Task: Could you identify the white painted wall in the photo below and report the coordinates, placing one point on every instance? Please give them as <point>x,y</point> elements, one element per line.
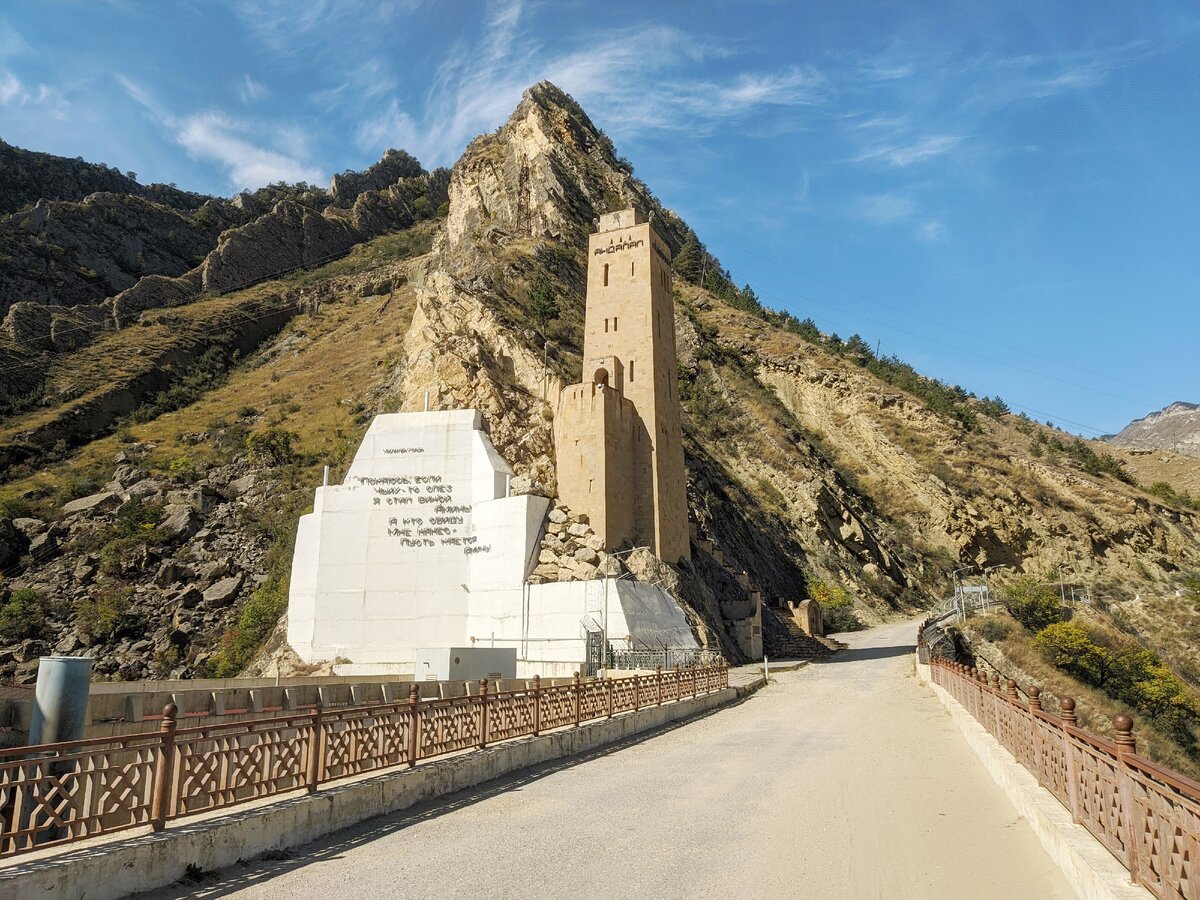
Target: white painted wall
<point>418,550</point>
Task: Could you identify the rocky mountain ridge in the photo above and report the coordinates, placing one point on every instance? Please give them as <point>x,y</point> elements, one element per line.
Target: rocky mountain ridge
<point>1175,428</point>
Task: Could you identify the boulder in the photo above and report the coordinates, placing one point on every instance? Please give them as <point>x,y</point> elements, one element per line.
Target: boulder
<point>179,523</point>
<point>29,527</point>
<point>44,546</point>
<point>557,516</point>
<point>239,486</point>
<point>586,555</point>
<point>93,503</point>
<point>579,530</point>
<point>223,592</point>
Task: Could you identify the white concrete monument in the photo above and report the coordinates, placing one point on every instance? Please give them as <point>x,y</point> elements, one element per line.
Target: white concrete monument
<point>419,560</point>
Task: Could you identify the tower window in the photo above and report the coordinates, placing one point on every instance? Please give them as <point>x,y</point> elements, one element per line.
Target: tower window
<point>606,326</point>
<point>631,269</point>
<point>614,323</point>
<point>631,370</point>
<point>606,274</point>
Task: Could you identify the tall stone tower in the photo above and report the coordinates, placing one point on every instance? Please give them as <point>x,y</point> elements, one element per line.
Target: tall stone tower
<point>617,434</point>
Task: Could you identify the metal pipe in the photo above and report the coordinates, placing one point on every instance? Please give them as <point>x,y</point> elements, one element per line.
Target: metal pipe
<point>60,699</point>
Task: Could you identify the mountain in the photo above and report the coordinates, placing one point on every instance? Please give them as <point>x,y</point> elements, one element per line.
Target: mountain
<point>1175,428</point>
<point>152,477</point>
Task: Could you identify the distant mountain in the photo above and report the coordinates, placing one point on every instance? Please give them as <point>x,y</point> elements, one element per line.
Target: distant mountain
<point>1175,428</point>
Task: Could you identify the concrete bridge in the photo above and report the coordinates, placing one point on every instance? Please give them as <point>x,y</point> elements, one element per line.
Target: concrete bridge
<point>842,779</point>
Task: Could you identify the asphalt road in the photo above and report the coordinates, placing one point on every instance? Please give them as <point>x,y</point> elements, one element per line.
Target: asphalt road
<point>845,779</point>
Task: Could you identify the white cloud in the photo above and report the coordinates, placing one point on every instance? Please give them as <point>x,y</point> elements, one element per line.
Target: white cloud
<point>216,137</point>
<point>931,232</point>
<point>907,153</point>
<point>250,90</point>
<point>630,80</point>
<point>885,208</point>
<point>14,92</point>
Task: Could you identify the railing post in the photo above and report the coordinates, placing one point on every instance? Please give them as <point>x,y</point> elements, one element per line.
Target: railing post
<point>414,702</point>
<point>658,685</point>
<point>164,764</point>
<point>1126,747</point>
<point>483,712</point>
<point>537,705</point>
<point>1035,707</point>
<point>996,701</point>
<point>610,696</point>
<point>578,701</point>
<point>1068,721</point>
<point>312,777</point>
<point>695,682</point>
<point>637,693</point>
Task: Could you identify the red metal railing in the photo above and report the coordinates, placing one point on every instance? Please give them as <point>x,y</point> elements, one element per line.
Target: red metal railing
<point>54,794</point>
<point>1146,816</point>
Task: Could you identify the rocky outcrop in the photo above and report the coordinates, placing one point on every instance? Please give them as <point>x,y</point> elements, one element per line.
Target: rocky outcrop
<point>1175,428</point>
<point>27,177</point>
<point>290,236</point>
<point>395,165</point>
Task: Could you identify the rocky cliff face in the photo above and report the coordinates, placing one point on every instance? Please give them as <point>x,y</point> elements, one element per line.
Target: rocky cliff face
<point>1175,428</point>
<point>806,472</point>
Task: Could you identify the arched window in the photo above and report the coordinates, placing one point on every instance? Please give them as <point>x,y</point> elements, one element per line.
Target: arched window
<point>606,274</point>
<point>601,376</point>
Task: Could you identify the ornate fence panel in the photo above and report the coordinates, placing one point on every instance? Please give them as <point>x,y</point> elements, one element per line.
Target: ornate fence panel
<point>59,793</point>
<point>625,694</point>
<point>446,726</point>
<point>593,700</point>
<point>227,764</point>
<point>1166,824</point>
<point>1146,816</point>
<point>510,715</point>
<point>1097,789</point>
<point>363,740</point>
<point>558,706</point>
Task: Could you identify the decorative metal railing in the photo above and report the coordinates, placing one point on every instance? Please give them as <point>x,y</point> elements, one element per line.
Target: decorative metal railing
<point>55,794</point>
<point>1147,816</point>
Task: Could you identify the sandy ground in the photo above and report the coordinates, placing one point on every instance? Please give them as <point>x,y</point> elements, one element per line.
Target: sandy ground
<point>845,779</point>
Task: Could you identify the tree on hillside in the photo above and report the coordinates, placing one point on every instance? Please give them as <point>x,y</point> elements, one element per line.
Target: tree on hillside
<point>688,262</point>
<point>1033,602</point>
<point>543,304</point>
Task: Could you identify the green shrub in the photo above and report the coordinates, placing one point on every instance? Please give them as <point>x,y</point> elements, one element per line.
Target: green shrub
<point>272,447</point>
<point>992,628</point>
<point>1033,602</point>
<point>837,606</point>
<point>1068,646</point>
<point>101,616</point>
<point>14,507</point>
<point>23,615</point>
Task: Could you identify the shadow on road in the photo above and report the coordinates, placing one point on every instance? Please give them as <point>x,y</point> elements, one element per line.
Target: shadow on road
<point>249,873</point>
<point>864,653</point>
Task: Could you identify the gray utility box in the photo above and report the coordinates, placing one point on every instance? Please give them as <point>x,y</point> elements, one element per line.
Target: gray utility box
<point>466,663</point>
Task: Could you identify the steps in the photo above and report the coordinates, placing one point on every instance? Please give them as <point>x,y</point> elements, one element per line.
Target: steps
<point>783,639</point>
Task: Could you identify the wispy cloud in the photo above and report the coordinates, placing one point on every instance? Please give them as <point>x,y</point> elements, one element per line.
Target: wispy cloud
<point>931,232</point>
<point>885,208</point>
<point>631,80</point>
<point>216,137</point>
<point>252,91</point>
<point>907,153</point>
<point>14,92</point>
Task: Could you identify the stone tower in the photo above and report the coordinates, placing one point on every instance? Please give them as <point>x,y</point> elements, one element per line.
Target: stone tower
<point>617,434</point>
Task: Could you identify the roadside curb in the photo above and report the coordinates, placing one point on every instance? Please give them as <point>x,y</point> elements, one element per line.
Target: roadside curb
<point>110,868</point>
<point>1090,869</point>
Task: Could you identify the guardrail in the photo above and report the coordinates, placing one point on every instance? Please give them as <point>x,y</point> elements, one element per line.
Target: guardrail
<point>1148,817</point>
<point>55,794</point>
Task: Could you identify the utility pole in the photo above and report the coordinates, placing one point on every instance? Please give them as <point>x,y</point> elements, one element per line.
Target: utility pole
<point>1061,588</point>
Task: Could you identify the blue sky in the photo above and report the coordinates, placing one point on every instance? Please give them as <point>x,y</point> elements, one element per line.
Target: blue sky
<point>1006,195</point>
